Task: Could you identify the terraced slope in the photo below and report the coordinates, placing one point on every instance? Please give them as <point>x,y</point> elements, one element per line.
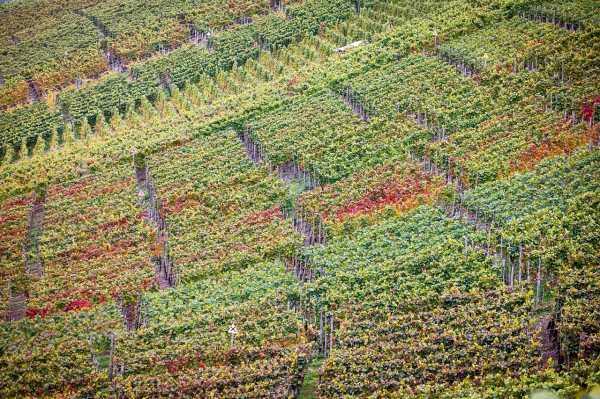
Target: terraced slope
<point>300,199</point>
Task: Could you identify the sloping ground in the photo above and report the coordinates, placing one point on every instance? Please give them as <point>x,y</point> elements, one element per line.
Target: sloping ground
<point>414,216</point>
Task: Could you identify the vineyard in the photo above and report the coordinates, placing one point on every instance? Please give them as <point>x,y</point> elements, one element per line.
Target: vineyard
<point>300,199</point>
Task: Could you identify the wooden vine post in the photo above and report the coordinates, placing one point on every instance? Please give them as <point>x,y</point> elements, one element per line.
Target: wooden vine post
<point>111,363</point>
<point>538,283</point>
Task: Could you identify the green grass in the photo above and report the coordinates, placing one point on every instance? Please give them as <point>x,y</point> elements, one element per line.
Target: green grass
<point>311,379</point>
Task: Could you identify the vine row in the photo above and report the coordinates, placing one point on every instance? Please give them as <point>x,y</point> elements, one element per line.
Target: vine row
<point>544,17</point>
<point>31,247</point>
<point>310,227</point>
<point>165,271</point>
<point>354,104</point>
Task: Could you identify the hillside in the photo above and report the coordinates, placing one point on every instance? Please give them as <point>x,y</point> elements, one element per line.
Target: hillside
<point>300,199</point>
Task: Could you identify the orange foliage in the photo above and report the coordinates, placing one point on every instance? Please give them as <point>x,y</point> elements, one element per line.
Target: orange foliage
<point>264,217</point>
<point>553,146</point>
<point>403,194</point>
<point>13,94</point>
<point>93,251</point>
<point>180,204</point>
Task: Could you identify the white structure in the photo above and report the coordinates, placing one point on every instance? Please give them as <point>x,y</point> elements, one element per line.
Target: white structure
<point>350,46</point>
